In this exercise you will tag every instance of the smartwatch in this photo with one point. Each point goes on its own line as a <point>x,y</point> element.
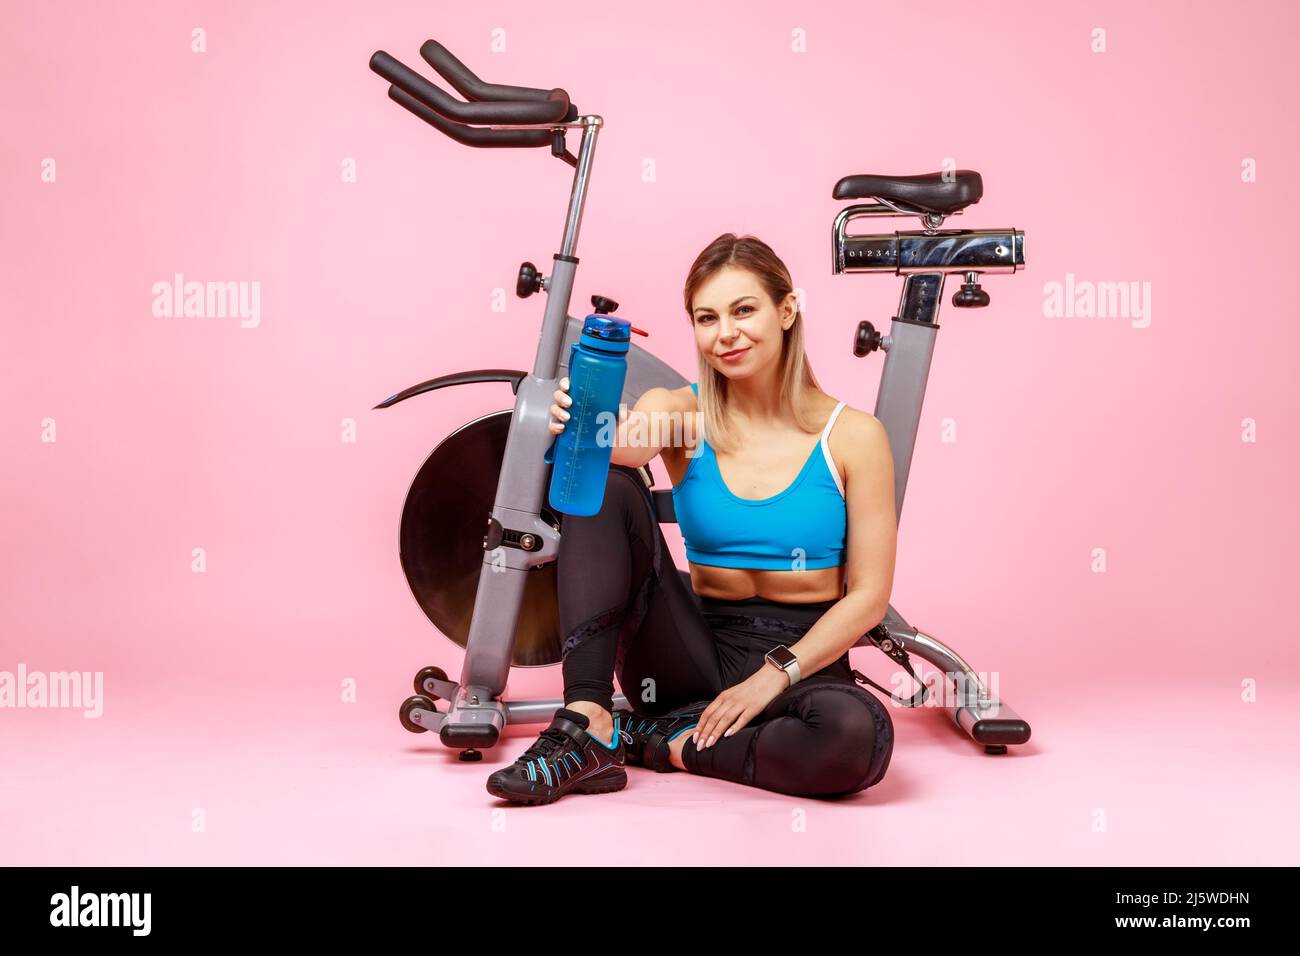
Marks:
<point>783,658</point>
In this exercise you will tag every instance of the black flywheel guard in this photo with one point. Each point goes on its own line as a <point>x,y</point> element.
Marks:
<point>443,523</point>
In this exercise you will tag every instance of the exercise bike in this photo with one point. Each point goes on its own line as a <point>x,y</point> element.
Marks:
<point>478,543</point>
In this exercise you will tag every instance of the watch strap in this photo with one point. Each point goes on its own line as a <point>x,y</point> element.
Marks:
<point>791,669</point>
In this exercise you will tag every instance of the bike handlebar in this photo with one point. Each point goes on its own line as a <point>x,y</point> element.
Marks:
<point>490,103</point>
<point>470,135</point>
<point>472,88</point>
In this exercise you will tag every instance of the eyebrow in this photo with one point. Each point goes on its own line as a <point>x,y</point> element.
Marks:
<point>705,308</point>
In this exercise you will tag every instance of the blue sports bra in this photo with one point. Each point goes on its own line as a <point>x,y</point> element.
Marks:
<point>801,527</point>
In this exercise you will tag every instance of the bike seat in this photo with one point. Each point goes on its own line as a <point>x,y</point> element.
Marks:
<point>929,192</point>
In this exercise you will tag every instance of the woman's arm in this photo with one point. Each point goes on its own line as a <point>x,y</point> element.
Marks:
<point>655,423</point>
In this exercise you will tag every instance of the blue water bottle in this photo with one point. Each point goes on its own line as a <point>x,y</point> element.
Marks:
<point>581,453</point>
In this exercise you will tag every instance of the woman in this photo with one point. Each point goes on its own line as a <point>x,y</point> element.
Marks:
<point>739,670</point>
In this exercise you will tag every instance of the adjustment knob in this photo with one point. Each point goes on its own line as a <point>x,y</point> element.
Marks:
<point>529,281</point>
<point>603,305</point>
<point>970,295</point>
<point>866,340</point>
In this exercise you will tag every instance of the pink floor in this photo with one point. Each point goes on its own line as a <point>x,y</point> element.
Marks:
<point>289,777</point>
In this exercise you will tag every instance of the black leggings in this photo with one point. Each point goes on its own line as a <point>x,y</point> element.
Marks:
<point>626,609</point>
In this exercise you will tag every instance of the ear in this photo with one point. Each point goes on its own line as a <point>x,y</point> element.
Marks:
<point>790,311</point>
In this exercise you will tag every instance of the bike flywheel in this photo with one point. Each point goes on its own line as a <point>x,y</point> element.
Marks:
<point>443,523</point>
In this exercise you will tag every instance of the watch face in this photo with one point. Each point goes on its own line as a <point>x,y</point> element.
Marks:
<point>782,656</point>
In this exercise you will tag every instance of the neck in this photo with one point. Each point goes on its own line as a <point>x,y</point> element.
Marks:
<point>757,399</point>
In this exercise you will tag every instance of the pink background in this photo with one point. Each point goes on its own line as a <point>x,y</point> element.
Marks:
<point>222,689</point>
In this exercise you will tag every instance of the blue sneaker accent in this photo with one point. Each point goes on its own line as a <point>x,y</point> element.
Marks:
<point>649,736</point>
<point>613,744</point>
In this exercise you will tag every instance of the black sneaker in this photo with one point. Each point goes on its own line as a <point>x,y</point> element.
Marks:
<point>564,759</point>
<point>648,737</point>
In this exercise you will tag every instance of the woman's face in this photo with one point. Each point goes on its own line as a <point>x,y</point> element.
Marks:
<point>732,313</point>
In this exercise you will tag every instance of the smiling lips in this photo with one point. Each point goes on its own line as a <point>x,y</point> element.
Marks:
<point>734,355</point>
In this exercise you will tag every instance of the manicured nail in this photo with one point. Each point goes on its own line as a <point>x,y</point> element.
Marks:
<point>711,740</point>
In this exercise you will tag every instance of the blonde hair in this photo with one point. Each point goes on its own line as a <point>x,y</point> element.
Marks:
<point>795,379</point>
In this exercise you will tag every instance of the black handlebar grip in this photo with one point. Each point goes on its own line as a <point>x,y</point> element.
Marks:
<point>470,135</point>
<point>550,110</point>
<point>468,85</point>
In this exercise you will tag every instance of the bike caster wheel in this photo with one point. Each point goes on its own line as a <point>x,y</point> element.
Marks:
<point>409,719</point>
<point>471,754</point>
<point>437,673</point>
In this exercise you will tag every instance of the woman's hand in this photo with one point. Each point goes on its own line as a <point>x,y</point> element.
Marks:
<point>558,415</point>
<point>739,704</point>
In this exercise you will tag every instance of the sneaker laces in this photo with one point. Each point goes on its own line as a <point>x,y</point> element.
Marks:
<point>548,742</point>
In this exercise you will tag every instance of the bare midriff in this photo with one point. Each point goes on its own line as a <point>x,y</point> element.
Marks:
<point>808,586</point>
<point>788,587</point>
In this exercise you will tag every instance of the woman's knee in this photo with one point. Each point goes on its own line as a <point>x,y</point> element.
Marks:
<point>621,496</point>
<point>854,738</point>
<point>579,534</point>
<point>628,487</point>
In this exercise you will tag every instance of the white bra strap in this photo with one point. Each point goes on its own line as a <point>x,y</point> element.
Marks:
<point>830,424</point>
<point>826,448</point>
